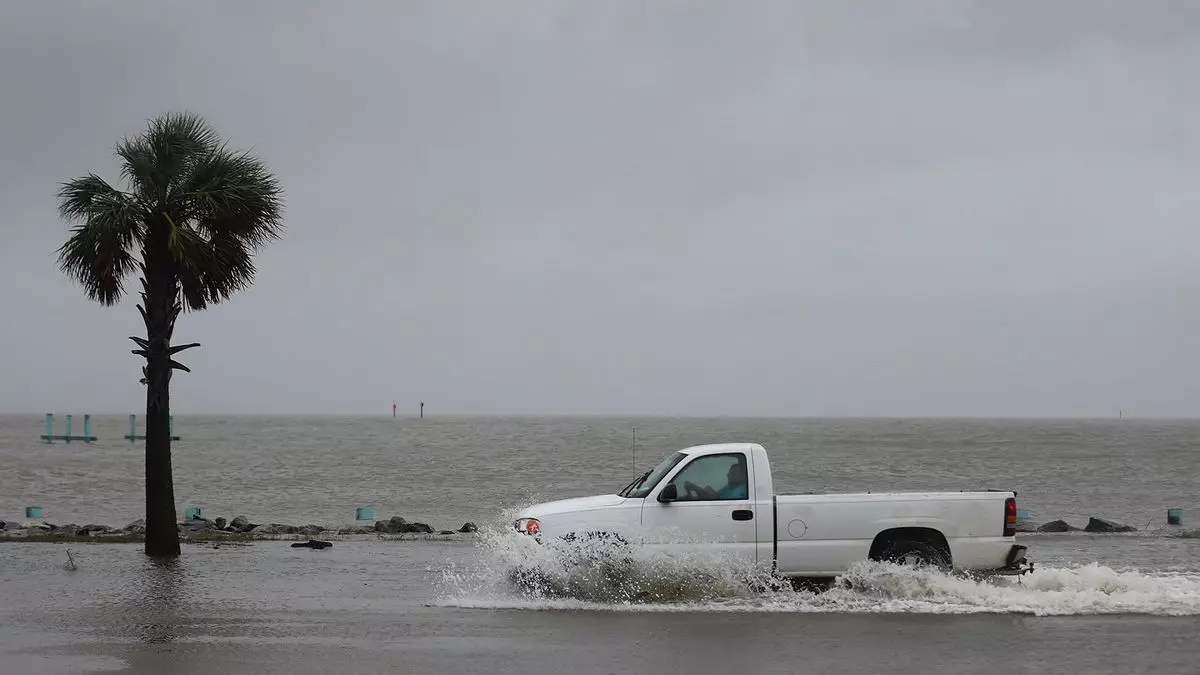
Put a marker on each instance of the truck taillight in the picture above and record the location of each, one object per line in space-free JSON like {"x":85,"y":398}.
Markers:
{"x":1010,"y":517}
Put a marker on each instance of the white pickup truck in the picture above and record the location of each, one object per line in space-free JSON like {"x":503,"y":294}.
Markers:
{"x":720,"y":497}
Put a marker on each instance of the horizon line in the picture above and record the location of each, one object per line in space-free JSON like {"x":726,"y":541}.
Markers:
{"x":545,"y":415}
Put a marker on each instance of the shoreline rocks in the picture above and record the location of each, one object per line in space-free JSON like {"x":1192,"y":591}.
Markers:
{"x":1107,"y":526}
{"x":398,"y":525}
{"x":240,"y":524}
{"x":202,"y":529}
{"x":1056,"y":526}
{"x":1094,"y":526}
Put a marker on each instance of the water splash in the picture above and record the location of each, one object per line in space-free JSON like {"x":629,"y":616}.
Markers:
{"x":513,"y":571}
{"x":602,"y":570}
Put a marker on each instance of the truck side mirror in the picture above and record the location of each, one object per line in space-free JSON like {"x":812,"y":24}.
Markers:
{"x":669,"y":494}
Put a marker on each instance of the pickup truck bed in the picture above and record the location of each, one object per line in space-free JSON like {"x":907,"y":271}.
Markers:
{"x":815,"y":535}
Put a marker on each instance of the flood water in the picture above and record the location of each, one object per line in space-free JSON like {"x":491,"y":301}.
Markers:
{"x":368,"y":606}
{"x":1096,"y":604}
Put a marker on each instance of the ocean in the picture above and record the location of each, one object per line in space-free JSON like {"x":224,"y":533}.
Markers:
{"x":446,"y":471}
{"x":1096,"y":603}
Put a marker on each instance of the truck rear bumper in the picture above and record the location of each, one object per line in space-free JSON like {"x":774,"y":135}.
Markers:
{"x":989,"y":555}
{"x":1015,"y":563}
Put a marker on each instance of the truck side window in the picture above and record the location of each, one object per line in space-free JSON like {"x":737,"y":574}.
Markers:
{"x":714,"y":477}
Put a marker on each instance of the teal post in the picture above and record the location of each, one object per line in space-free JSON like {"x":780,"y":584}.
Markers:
{"x":87,"y":428}
{"x":33,"y":512}
{"x":49,"y":427}
{"x":1174,"y":516}
{"x":132,"y":428}
{"x":364,"y":513}
{"x":68,"y":428}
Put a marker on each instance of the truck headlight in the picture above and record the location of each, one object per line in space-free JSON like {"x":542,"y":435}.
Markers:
{"x":529,"y":526}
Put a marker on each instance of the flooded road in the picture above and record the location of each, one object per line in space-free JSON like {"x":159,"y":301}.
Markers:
{"x":369,"y":606}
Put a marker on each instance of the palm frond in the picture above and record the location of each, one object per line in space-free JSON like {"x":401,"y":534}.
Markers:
{"x":99,"y":254}
{"x":181,"y":135}
{"x":211,"y":269}
{"x":161,"y":158}
{"x":234,"y":195}
{"x":90,"y":196}
{"x":138,"y":167}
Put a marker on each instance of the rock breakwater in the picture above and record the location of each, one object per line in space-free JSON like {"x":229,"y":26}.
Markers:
{"x":240,"y":528}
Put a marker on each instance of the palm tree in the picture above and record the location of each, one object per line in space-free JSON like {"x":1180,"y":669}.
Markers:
{"x":189,"y":220}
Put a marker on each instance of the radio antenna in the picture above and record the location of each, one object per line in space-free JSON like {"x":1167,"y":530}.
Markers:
{"x":635,"y":449}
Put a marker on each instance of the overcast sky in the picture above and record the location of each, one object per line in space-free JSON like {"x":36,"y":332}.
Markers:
{"x":767,"y":208}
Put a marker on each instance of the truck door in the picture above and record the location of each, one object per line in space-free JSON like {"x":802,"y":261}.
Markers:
{"x":712,"y":508}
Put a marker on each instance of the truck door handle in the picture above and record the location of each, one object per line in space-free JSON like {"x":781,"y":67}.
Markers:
{"x":743,"y":514}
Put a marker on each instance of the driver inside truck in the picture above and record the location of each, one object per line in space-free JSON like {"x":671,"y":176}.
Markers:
{"x":736,"y":487}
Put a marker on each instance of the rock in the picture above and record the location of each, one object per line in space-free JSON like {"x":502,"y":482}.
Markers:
{"x":89,"y":530}
{"x":70,"y":529}
{"x":446,"y":532}
{"x":313,"y":543}
{"x":219,"y":523}
{"x":1107,"y":526}
{"x":10,"y":526}
{"x":311,"y":530}
{"x":398,"y":525}
{"x":241,"y":524}
{"x":468,"y":527}
{"x":1056,"y":526}
{"x":357,"y":529}
{"x":393,"y":525}
{"x":275,"y":528}
{"x":136,"y":527}
{"x":199,"y":525}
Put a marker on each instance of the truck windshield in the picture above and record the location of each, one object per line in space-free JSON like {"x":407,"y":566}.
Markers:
{"x":642,"y":487}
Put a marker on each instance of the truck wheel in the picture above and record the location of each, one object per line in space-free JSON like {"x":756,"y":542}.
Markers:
{"x":918,"y":554}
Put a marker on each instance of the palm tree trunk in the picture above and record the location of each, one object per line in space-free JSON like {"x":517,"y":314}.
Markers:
{"x":162,"y":532}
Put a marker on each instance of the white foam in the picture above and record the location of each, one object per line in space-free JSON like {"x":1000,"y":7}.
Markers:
{"x":672,"y":583}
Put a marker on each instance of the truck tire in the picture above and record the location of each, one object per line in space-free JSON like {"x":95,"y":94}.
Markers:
{"x":918,"y":554}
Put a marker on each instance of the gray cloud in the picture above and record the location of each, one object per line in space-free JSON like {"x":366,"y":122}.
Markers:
{"x":958,"y":208}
